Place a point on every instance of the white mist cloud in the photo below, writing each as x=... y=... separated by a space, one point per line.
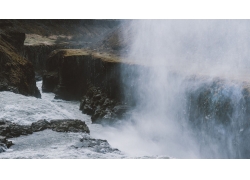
x=159 y=124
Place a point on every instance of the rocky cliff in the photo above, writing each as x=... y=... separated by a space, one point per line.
x=16 y=73
x=95 y=77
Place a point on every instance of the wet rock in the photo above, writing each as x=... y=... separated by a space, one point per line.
x=68 y=125
x=7 y=143
x=40 y=125
x=97 y=145
x=87 y=109
x=102 y=108
x=3 y=147
x=50 y=81
x=75 y=67
x=16 y=73
x=10 y=129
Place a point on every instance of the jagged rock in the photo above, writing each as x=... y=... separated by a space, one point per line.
x=10 y=129
x=68 y=125
x=100 y=107
x=40 y=125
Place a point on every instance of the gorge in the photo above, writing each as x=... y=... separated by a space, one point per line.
x=142 y=88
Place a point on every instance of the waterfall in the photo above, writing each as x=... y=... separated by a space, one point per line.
x=191 y=97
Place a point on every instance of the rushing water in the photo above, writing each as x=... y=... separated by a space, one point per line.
x=166 y=103
x=49 y=144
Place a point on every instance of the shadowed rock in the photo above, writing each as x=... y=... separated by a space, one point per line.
x=16 y=73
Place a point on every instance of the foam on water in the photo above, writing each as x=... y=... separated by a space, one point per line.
x=46 y=144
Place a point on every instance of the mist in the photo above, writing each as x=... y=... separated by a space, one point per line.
x=181 y=60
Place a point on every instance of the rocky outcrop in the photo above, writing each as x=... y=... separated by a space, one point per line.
x=69 y=126
x=16 y=73
x=76 y=67
x=61 y=125
x=95 y=78
x=102 y=108
x=10 y=130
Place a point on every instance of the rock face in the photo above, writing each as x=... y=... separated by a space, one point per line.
x=10 y=130
x=75 y=68
x=95 y=78
x=16 y=73
x=37 y=54
x=100 y=107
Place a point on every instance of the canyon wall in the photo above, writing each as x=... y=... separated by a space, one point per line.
x=16 y=73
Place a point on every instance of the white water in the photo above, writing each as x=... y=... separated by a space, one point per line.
x=46 y=144
x=49 y=144
x=213 y=48
x=159 y=124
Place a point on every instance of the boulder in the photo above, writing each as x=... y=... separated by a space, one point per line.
x=68 y=125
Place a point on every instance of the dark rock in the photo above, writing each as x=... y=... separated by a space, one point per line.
x=7 y=143
x=40 y=125
x=87 y=109
x=16 y=39
x=68 y=125
x=102 y=108
x=50 y=81
x=75 y=67
x=16 y=73
x=97 y=145
x=10 y=129
x=38 y=78
x=3 y=147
